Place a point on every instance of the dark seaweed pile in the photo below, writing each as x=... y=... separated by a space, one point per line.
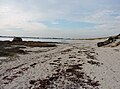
x=8 y=48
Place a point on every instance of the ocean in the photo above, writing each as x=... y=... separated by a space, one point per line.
x=34 y=39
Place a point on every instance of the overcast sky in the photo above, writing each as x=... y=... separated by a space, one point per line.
x=60 y=18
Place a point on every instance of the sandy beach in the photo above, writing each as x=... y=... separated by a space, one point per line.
x=78 y=64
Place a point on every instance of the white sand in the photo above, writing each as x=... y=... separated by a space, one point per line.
x=40 y=63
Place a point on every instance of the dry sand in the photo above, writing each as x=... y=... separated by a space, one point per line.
x=77 y=65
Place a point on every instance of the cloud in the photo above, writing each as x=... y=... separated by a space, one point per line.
x=107 y=22
x=25 y=17
x=14 y=18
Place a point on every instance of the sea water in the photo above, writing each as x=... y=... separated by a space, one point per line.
x=34 y=39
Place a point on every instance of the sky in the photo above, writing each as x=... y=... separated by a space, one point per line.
x=60 y=18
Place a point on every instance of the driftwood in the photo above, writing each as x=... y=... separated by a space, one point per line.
x=108 y=41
